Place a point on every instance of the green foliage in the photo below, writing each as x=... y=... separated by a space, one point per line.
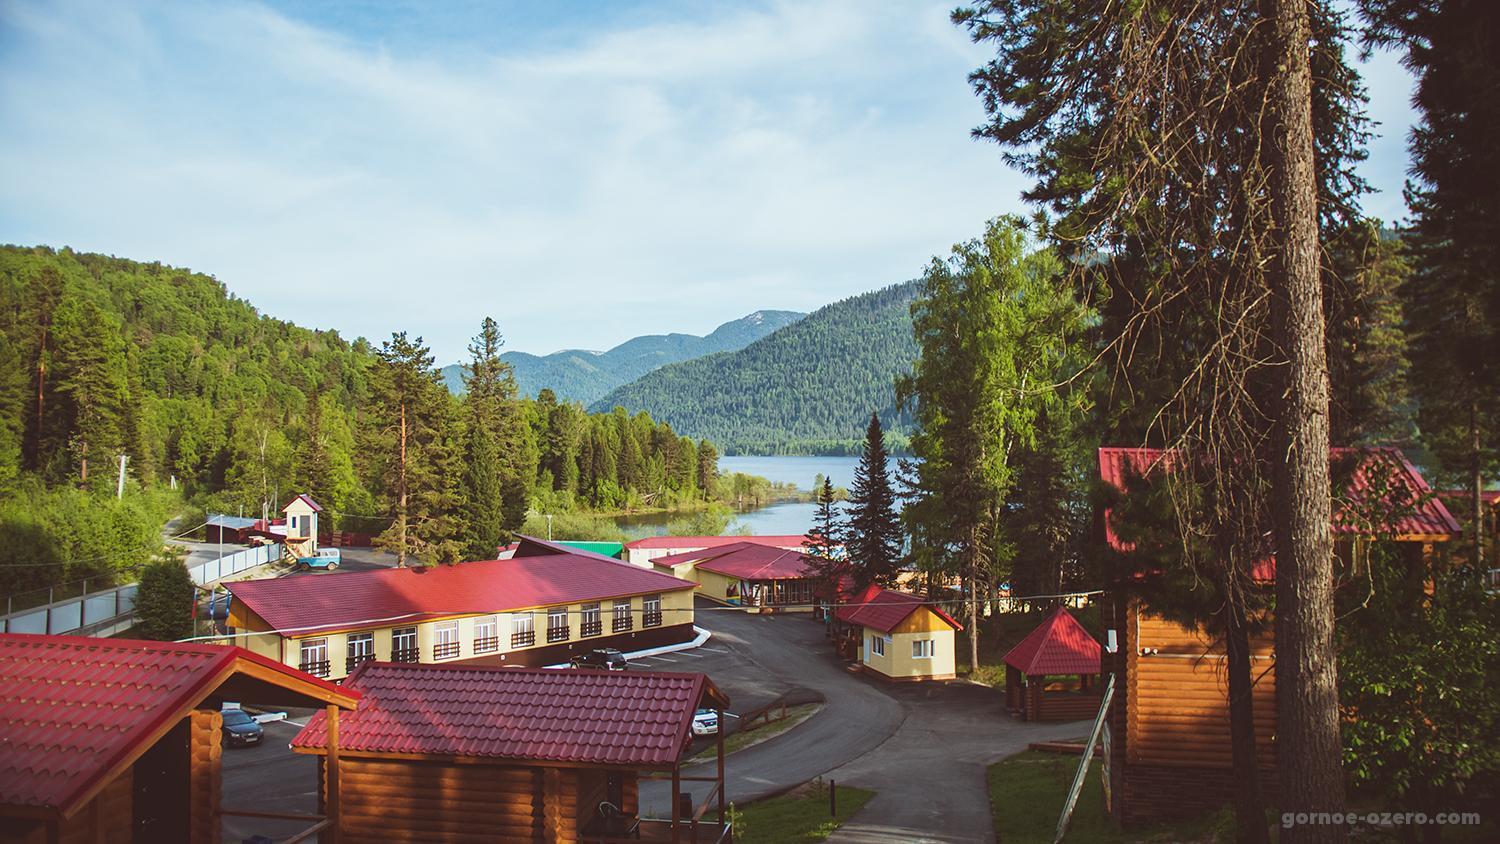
x=65 y=534
x=873 y=534
x=805 y=389
x=164 y=602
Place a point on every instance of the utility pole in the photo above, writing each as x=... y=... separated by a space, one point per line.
x=549 y=527
x=120 y=484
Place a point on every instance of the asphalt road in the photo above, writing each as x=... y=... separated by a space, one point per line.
x=268 y=778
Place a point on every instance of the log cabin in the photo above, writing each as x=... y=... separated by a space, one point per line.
x=1053 y=673
x=897 y=636
x=755 y=577
x=113 y=740
x=468 y=753
x=1166 y=741
x=543 y=606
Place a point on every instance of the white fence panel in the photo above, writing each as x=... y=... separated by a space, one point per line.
x=66 y=616
x=99 y=607
x=125 y=598
x=29 y=622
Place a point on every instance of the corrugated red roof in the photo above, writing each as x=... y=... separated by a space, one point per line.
x=1059 y=645
x=74 y=709
x=885 y=609
x=640 y=719
x=364 y=599
x=1427 y=518
x=698 y=543
x=747 y=561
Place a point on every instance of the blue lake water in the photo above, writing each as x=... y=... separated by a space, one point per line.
x=797 y=470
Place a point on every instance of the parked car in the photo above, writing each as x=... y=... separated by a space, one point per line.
x=240 y=730
x=605 y=659
x=705 y=722
x=326 y=559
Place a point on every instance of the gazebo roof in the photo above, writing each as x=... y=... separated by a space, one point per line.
x=1059 y=645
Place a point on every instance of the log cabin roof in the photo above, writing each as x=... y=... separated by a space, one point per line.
x=539 y=715
x=541 y=574
x=74 y=711
x=885 y=609
x=1418 y=514
x=747 y=561
x=1059 y=645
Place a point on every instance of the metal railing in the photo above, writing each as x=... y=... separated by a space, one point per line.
x=406 y=654
x=486 y=644
x=353 y=662
x=558 y=634
x=235 y=563
x=591 y=628
x=317 y=667
x=445 y=650
x=104 y=612
x=521 y=640
x=651 y=619
x=622 y=623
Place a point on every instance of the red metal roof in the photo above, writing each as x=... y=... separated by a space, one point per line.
x=885 y=609
x=698 y=543
x=369 y=598
x=640 y=719
x=75 y=709
x=747 y=561
x=1427 y=518
x=1059 y=645
x=304 y=497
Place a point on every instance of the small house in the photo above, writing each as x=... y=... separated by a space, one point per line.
x=302 y=525
x=543 y=606
x=1166 y=740
x=457 y=753
x=1053 y=673
x=113 y=740
x=642 y=552
x=750 y=575
x=901 y=637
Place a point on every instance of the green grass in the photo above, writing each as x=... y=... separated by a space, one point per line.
x=798 y=817
x=1027 y=792
x=742 y=739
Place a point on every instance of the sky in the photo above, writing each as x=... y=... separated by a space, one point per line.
x=582 y=172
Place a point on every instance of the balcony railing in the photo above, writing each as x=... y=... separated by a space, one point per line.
x=486 y=644
x=651 y=619
x=521 y=640
x=591 y=628
x=356 y=661
x=445 y=650
x=622 y=623
x=412 y=654
x=559 y=634
x=317 y=667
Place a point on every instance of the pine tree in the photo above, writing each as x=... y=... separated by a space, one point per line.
x=708 y=468
x=874 y=529
x=484 y=500
x=824 y=542
x=164 y=602
x=92 y=375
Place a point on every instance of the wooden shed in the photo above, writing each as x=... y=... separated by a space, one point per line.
x=1166 y=741
x=457 y=753
x=113 y=740
x=1053 y=673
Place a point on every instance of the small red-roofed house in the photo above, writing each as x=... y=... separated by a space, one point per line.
x=457 y=753
x=642 y=552
x=1053 y=673
x=114 y=740
x=902 y=637
x=752 y=575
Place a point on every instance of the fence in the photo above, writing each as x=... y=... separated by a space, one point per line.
x=205 y=573
x=100 y=613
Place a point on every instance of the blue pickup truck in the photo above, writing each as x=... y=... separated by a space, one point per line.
x=327 y=559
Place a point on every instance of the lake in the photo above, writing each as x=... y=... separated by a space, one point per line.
x=797 y=470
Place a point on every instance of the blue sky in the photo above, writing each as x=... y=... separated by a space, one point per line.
x=583 y=172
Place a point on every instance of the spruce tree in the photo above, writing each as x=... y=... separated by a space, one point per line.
x=824 y=540
x=874 y=529
x=164 y=601
x=483 y=494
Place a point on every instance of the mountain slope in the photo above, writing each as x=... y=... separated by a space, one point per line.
x=585 y=376
x=808 y=388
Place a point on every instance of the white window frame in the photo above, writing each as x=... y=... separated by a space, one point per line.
x=366 y=639
x=314 y=646
x=651 y=605
x=591 y=615
x=522 y=622
x=445 y=633
x=403 y=633
x=877 y=645
x=487 y=627
x=923 y=648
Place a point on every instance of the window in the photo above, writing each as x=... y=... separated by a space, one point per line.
x=591 y=625
x=486 y=635
x=446 y=646
x=877 y=646
x=522 y=630
x=315 y=657
x=622 y=620
x=361 y=650
x=404 y=645
x=923 y=649
x=651 y=611
x=557 y=624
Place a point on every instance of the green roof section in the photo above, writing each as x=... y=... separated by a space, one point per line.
x=608 y=549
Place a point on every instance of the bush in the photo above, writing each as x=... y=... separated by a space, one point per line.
x=164 y=604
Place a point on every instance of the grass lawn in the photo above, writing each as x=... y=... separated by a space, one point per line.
x=800 y=816
x=1001 y=632
x=1027 y=792
x=742 y=739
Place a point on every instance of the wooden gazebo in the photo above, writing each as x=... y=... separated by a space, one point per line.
x=1053 y=674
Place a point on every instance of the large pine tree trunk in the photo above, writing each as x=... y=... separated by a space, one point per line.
x=401 y=494
x=1311 y=779
x=1249 y=811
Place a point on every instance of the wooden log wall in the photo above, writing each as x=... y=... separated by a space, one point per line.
x=107 y=819
x=205 y=775
x=1068 y=706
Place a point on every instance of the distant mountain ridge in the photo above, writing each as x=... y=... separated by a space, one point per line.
x=586 y=376
x=808 y=388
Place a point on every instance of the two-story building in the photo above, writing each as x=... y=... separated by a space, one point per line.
x=541 y=607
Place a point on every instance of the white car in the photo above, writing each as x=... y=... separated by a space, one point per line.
x=705 y=722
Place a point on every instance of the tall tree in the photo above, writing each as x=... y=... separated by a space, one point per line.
x=91 y=374
x=708 y=468
x=823 y=540
x=1453 y=298
x=484 y=502
x=409 y=422
x=874 y=529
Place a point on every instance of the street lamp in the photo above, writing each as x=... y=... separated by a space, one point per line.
x=549 y=527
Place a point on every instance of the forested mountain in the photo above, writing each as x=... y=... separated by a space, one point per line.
x=585 y=376
x=808 y=388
